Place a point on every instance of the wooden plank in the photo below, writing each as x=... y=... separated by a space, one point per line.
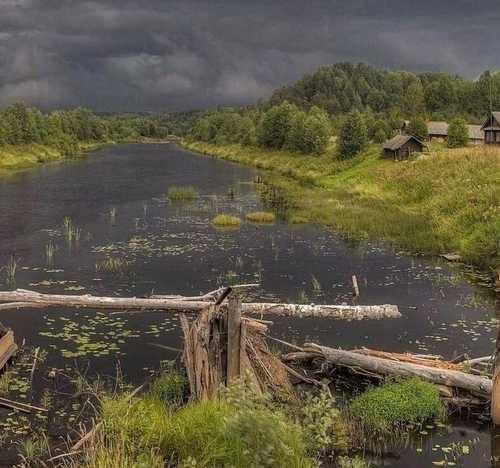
x=233 y=339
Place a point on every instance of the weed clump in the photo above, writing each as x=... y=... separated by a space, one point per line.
x=261 y=217
x=170 y=388
x=225 y=221
x=396 y=406
x=186 y=193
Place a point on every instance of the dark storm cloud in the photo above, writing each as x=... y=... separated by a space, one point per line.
x=158 y=54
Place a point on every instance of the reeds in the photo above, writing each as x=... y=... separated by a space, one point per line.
x=261 y=217
x=71 y=232
x=182 y=193
x=11 y=270
x=226 y=221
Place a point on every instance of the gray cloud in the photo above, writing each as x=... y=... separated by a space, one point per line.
x=166 y=55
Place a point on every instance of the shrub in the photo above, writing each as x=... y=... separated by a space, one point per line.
x=353 y=136
x=397 y=405
x=186 y=193
x=225 y=220
x=170 y=388
x=261 y=217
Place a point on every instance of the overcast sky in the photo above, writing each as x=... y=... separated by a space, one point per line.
x=175 y=55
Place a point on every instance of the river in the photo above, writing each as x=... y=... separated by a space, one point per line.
x=115 y=199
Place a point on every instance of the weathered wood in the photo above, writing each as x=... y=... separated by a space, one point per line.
x=23 y=407
x=495 y=395
x=8 y=347
x=476 y=385
x=233 y=339
x=338 y=312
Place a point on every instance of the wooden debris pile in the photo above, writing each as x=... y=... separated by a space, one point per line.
x=221 y=347
x=8 y=346
x=458 y=384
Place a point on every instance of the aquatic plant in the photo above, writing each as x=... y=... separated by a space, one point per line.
x=6 y=379
x=71 y=233
x=298 y=219
x=32 y=448
x=182 y=193
x=354 y=462
x=225 y=220
x=261 y=217
x=112 y=265
x=112 y=215
x=396 y=406
x=50 y=250
x=316 y=284
x=11 y=270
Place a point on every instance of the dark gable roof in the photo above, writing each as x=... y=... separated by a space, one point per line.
x=488 y=123
x=475 y=132
x=398 y=141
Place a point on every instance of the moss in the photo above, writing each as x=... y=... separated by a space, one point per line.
x=396 y=406
x=225 y=220
x=261 y=217
x=186 y=193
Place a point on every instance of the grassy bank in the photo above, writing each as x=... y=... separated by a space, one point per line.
x=16 y=157
x=448 y=201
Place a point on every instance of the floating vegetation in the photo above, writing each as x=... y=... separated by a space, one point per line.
x=112 y=265
x=71 y=233
x=261 y=217
x=182 y=193
x=50 y=250
x=298 y=219
x=11 y=270
x=225 y=220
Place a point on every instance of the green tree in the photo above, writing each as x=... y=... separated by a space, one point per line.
x=316 y=131
x=418 y=128
x=458 y=135
x=353 y=136
x=275 y=125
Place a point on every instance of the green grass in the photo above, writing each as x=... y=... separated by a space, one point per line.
x=396 y=406
x=218 y=433
x=226 y=221
x=185 y=193
x=447 y=201
x=170 y=388
x=261 y=217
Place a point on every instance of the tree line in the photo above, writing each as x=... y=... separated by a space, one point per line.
x=65 y=129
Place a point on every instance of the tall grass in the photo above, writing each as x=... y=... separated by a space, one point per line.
x=71 y=232
x=226 y=221
x=11 y=270
x=447 y=201
x=261 y=217
x=182 y=193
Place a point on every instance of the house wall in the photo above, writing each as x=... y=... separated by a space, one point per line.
x=492 y=137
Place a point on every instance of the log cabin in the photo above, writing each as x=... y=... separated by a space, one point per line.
x=402 y=147
x=491 y=129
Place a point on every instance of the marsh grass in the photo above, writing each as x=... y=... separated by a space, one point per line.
x=226 y=221
x=11 y=270
x=112 y=265
x=446 y=201
x=50 y=250
x=71 y=232
x=182 y=193
x=6 y=379
x=33 y=448
x=395 y=408
x=261 y=217
x=170 y=388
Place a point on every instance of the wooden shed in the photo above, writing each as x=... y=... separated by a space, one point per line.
x=402 y=147
x=491 y=129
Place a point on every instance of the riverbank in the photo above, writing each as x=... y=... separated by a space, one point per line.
x=17 y=157
x=444 y=202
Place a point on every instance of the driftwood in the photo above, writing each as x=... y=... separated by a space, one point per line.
x=221 y=347
x=8 y=346
x=398 y=365
x=22 y=298
x=23 y=407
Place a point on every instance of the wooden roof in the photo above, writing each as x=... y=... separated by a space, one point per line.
x=437 y=128
x=398 y=141
x=492 y=122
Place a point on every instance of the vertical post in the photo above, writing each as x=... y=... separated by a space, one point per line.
x=233 y=339
x=495 y=390
x=355 y=286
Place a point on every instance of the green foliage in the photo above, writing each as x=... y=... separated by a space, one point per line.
x=238 y=430
x=458 y=135
x=353 y=136
x=185 y=193
x=396 y=406
x=170 y=388
x=225 y=220
x=418 y=128
x=356 y=462
x=320 y=423
x=261 y=217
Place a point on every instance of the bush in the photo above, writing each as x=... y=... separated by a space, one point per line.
x=186 y=193
x=397 y=405
x=170 y=388
x=225 y=220
x=261 y=217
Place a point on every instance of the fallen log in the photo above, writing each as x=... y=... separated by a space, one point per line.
x=476 y=385
x=24 y=298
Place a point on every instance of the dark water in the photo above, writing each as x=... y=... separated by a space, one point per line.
x=117 y=200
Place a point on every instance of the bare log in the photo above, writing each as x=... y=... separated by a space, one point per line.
x=476 y=385
x=339 y=312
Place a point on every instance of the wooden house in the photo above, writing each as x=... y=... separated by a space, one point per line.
x=437 y=130
x=491 y=129
x=402 y=147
